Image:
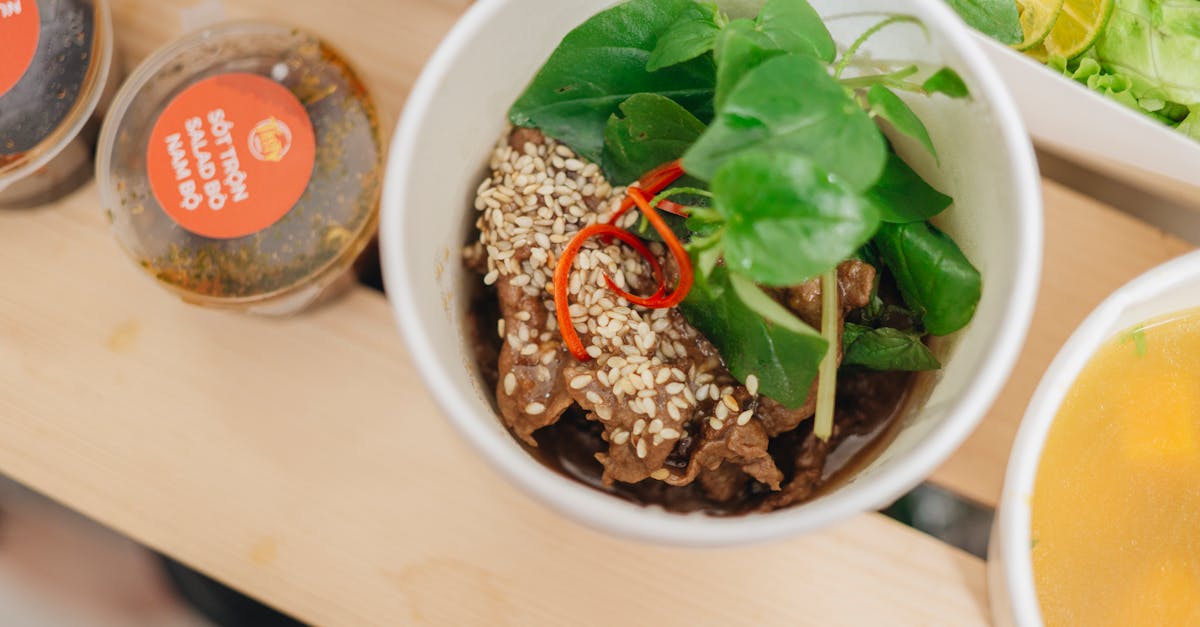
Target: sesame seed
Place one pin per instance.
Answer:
(716, 424)
(620, 437)
(656, 425)
(533, 409)
(721, 411)
(603, 412)
(669, 434)
(581, 381)
(639, 426)
(752, 385)
(510, 383)
(594, 398)
(673, 412)
(500, 327)
(730, 402)
(529, 349)
(674, 388)
(702, 393)
(641, 449)
(744, 417)
(660, 474)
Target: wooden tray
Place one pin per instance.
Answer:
(303, 462)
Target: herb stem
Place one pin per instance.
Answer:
(827, 381)
(869, 33)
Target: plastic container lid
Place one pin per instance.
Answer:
(57, 58)
(240, 166)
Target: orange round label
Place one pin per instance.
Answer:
(20, 28)
(231, 155)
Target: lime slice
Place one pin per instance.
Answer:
(1078, 27)
(1037, 19)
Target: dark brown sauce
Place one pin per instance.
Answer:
(868, 407)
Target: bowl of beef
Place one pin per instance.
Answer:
(706, 274)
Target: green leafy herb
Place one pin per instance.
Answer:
(1138, 337)
(886, 349)
(821, 121)
(946, 81)
(754, 334)
(997, 19)
(935, 278)
(782, 27)
(601, 64)
(739, 49)
(691, 36)
(653, 131)
(887, 105)
(786, 219)
(902, 196)
(794, 26)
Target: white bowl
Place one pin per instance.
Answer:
(1169, 288)
(454, 116)
(1078, 123)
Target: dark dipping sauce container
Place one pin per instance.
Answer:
(56, 77)
(241, 167)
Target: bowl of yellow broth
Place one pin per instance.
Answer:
(1099, 523)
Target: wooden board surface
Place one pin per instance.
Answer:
(302, 462)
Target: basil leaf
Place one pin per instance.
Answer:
(997, 19)
(886, 349)
(775, 346)
(794, 26)
(935, 278)
(653, 131)
(601, 64)
(689, 37)
(786, 219)
(792, 104)
(887, 105)
(901, 195)
(946, 81)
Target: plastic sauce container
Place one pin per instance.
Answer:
(56, 59)
(241, 167)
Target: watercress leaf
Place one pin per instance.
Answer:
(887, 105)
(601, 64)
(997, 19)
(794, 26)
(901, 195)
(935, 278)
(946, 81)
(739, 48)
(678, 225)
(851, 332)
(689, 37)
(775, 346)
(768, 111)
(782, 27)
(786, 219)
(653, 131)
(886, 349)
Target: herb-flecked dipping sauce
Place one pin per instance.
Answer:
(297, 257)
(55, 65)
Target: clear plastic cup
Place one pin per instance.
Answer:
(241, 167)
(52, 95)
